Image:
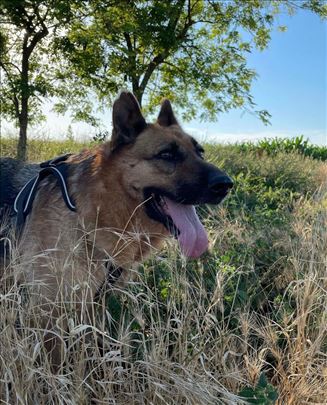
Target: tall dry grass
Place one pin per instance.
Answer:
(185, 349)
(201, 332)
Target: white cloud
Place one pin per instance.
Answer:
(314, 136)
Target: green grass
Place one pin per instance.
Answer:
(42, 149)
(247, 319)
(295, 145)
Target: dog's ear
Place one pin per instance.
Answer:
(166, 116)
(127, 119)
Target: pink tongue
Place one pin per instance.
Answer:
(193, 237)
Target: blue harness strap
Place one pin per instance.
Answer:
(24, 200)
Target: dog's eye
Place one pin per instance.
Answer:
(170, 153)
(166, 155)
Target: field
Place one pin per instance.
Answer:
(246, 323)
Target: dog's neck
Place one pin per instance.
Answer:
(113, 219)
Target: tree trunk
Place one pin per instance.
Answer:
(22, 141)
(138, 94)
(25, 89)
(23, 115)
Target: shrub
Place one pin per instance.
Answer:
(276, 145)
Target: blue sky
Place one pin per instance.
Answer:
(291, 85)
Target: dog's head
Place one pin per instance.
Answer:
(164, 167)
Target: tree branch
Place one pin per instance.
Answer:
(132, 59)
(12, 64)
(181, 71)
(158, 59)
(37, 38)
(14, 94)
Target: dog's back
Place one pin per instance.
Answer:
(8, 190)
(13, 175)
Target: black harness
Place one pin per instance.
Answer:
(24, 200)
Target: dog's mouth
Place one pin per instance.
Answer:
(181, 220)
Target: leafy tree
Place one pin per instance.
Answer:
(25, 58)
(192, 51)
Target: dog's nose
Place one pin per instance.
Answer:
(219, 183)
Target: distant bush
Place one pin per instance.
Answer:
(275, 145)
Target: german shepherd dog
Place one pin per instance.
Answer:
(130, 194)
